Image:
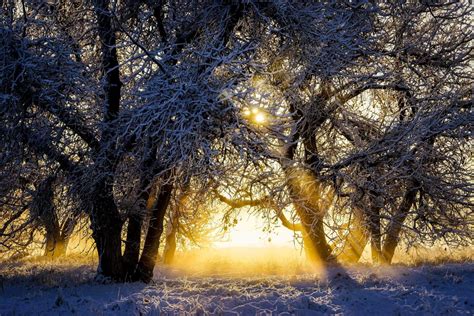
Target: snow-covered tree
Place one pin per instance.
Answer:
(343, 120)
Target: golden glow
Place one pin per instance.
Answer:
(248, 232)
(254, 251)
(255, 115)
(251, 261)
(310, 189)
(260, 118)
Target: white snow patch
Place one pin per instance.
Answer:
(359, 290)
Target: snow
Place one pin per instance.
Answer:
(358, 290)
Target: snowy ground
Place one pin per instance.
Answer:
(64, 289)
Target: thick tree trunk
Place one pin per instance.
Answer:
(395, 226)
(149, 255)
(106, 222)
(107, 233)
(108, 243)
(314, 237)
(316, 248)
(304, 190)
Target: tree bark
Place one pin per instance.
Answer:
(106, 222)
(56, 245)
(356, 239)
(106, 225)
(315, 244)
(135, 221)
(170, 246)
(110, 65)
(395, 226)
(303, 191)
(158, 207)
(131, 254)
(375, 235)
(44, 209)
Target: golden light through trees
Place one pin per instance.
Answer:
(248, 233)
(256, 116)
(143, 118)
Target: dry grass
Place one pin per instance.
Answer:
(231, 262)
(435, 256)
(74, 269)
(238, 262)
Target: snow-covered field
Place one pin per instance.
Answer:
(61, 289)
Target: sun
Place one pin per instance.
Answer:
(255, 115)
(249, 233)
(260, 118)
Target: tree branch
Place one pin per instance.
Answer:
(265, 202)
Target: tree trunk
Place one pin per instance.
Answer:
(108, 242)
(106, 222)
(110, 65)
(107, 233)
(314, 237)
(149, 255)
(304, 191)
(43, 207)
(356, 239)
(56, 245)
(170, 246)
(131, 253)
(316, 248)
(375, 236)
(180, 207)
(395, 226)
(135, 221)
